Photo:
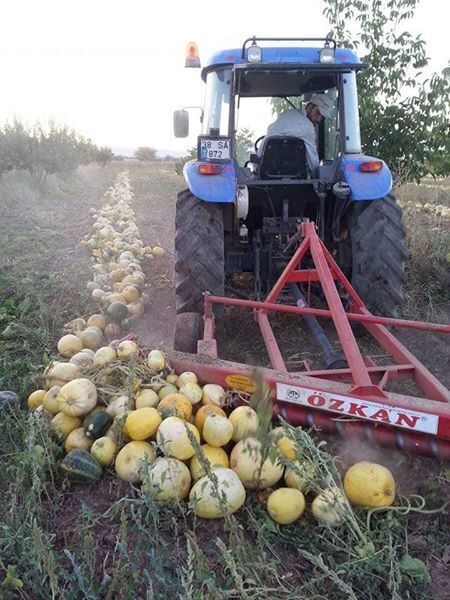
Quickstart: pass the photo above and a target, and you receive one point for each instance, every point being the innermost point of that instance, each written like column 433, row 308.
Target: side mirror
column 181, row 123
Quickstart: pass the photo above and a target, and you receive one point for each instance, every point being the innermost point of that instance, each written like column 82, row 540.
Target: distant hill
column 174, row 153
column 161, row 153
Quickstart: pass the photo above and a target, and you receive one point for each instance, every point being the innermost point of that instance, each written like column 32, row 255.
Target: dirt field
column 105, row 541
column 240, row 339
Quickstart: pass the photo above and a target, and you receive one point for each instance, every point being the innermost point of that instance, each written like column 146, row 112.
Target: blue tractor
column 233, row 219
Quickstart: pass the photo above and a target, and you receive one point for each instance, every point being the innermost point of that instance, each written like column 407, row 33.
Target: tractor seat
column 283, row 157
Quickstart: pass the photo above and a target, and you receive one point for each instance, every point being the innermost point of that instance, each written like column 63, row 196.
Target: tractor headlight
column 254, row 54
column 327, row 55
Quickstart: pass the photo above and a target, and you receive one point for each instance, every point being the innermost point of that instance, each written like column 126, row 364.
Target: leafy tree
column 46, row 150
column 405, row 117
column 145, row 153
column 59, row 150
column 17, row 147
column 104, row 155
column 179, row 164
column 244, row 145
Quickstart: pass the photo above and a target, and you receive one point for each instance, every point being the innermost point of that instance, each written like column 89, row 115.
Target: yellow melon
column 142, row 423
column 147, row 397
column 105, row 355
column 69, row 345
column 286, row 445
column 104, row 450
column 77, row 439
column 156, row 360
column 112, row 331
column 35, row 399
column 192, row 391
column 97, row 320
column 286, row 505
column 60, row 373
column 217, row 430
column 131, row 460
column 92, row 337
column 330, row 507
column 78, row 397
column 214, row 394
column 127, row 350
column 186, row 377
column 203, row 412
column 166, row 390
column 244, row 420
column 130, row 294
column 50, row 401
column 220, row 497
column 119, row 406
column 246, row 461
column 63, row 424
column 175, row 405
column 173, row 438
column 82, row 359
column 302, row 476
column 369, row 484
column 158, row 251
column 215, row 457
column 167, row 479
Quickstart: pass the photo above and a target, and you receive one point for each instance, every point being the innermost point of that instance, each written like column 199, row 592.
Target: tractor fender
column 212, row 188
column 365, row 186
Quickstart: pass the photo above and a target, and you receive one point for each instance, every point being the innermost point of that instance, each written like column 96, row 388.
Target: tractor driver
column 295, row 122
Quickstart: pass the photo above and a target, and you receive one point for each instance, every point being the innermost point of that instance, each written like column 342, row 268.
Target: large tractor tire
column 188, row 330
column 378, row 254
column 199, row 252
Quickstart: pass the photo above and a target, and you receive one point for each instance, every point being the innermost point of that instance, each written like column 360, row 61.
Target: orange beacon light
column 192, row 57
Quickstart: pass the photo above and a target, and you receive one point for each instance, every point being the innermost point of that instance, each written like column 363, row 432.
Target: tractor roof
column 287, row 57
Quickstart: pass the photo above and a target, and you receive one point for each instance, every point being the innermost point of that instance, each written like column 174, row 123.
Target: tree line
column 404, row 110
column 46, row 150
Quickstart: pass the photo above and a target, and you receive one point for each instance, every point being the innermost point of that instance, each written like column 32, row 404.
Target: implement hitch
column 351, row 397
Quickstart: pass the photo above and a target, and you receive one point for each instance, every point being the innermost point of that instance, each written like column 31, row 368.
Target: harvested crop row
column 114, row 405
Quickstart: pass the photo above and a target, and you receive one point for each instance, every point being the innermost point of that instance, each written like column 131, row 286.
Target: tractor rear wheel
column 199, row 252
column 188, row 330
column 378, row 254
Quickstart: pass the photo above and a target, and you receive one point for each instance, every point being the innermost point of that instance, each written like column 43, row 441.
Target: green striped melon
column 9, row 399
column 97, row 424
column 80, row 465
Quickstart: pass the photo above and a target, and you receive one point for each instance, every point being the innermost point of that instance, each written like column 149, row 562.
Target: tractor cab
column 245, row 209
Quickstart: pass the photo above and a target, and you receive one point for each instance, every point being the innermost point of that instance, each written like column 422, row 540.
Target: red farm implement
column 351, row 396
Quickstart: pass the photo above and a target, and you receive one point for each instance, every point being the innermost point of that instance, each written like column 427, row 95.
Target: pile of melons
column 117, row 407
column 182, row 440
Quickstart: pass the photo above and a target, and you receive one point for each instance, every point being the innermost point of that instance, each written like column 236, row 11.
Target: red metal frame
column 344, row 400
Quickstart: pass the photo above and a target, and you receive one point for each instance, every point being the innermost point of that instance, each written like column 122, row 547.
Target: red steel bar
column 343, row 328
column 327, row 314
column 422, row 376
column 239, row 376
column 271, row 344
column 348, row 401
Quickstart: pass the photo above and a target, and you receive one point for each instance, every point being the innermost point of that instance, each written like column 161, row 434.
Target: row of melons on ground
column 118, row 253
column 114, row 406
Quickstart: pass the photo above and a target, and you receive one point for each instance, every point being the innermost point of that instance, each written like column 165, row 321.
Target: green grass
column 428, row 243
column 61, row 542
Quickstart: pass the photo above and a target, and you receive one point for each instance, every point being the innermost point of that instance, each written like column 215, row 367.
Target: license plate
column 215, row 149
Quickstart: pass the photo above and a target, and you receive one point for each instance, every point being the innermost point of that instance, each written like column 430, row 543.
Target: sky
column 114, row 70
